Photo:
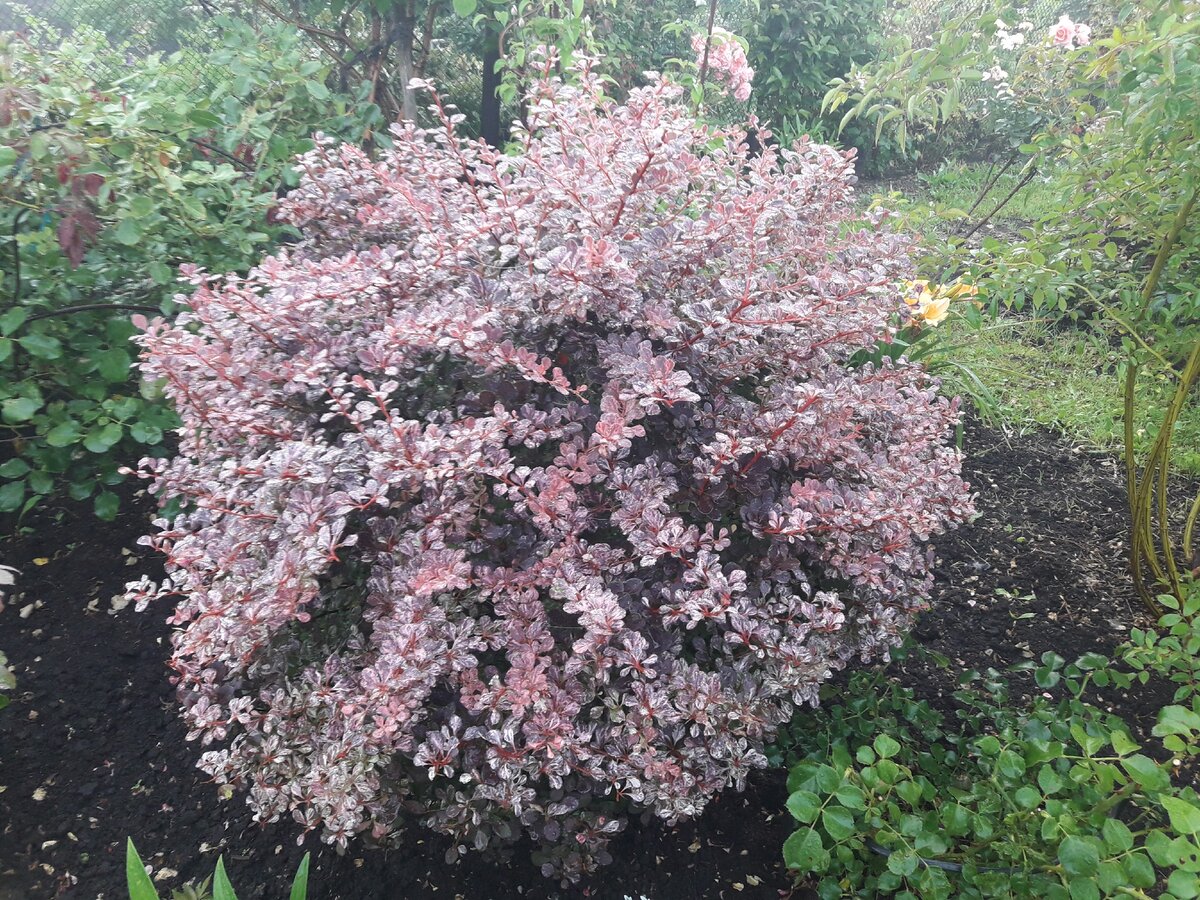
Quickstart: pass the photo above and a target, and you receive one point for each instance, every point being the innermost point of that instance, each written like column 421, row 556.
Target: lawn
column 1020, row 370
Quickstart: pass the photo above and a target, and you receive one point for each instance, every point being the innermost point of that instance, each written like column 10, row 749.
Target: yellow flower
column 961, row 289
column 931, row 303
column 916, row 292
column 934, row 309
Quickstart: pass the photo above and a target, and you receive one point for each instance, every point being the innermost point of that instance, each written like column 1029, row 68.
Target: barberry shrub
column 533, row 487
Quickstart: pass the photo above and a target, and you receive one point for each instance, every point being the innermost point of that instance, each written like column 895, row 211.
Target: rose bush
column 531, row 488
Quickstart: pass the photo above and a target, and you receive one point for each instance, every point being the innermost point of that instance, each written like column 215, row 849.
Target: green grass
column 1067, row 380
column 944, row 198
column 956, row 186
column 1022, row 372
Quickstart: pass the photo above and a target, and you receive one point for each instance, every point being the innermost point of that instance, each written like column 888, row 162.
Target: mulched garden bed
column 91, row 749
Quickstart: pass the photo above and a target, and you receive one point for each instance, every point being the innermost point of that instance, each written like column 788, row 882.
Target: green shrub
column 105, row 188
column 1052, row 798
column 796, row 48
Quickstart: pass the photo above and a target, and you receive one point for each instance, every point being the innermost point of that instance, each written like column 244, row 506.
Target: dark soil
column 91, row 749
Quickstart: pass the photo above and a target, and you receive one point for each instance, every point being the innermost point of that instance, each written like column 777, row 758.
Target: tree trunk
column 405, row 68
column 489, row 106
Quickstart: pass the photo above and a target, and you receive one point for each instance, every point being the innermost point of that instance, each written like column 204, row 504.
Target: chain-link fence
column 189, row 31
column 926, row 17
column 922, row 19
column 137, row 28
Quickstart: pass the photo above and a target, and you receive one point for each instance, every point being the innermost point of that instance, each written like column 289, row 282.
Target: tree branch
column 1025, row 179
column 87, row 307
column 712, row 16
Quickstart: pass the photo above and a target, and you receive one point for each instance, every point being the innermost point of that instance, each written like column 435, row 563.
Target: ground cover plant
column 1048, row 798
column 529, row 488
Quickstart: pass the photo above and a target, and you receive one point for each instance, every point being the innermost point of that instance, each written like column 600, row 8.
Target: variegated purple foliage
column 536, row 487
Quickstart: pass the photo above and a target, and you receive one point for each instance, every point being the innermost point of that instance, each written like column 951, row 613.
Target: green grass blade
column 300, row 885
column 139, row 883
column 222, row 889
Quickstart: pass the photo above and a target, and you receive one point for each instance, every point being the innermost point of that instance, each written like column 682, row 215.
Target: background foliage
column 105, row 188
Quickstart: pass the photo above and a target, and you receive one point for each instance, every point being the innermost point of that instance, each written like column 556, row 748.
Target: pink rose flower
column 1083, row 34
column 1063, row 34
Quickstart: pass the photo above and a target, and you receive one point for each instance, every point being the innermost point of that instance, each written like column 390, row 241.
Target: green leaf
column 956, row 819
column 1046, row 677
column 12, row 320
column 1048, row 780
column 1140, row 870
column 141, row 206
column 805, row 852
column 41, row 482
column 1176, row 720
column 1112, row 877
column 81, row 490
column 113, row 365
column 1078, row 857
column 1084, row 889
column 838, row 822
column 989, row 746
column 20, row 409
column 300, row 885
column 1158, row 845
column 1117, row 836
column 129, row 232
column 1183, row 885
column 317, row 89
column 41, row 345
column 910, row 792
column 1123, row 743
column 64, row 434
column 106, row 505
column 851, row 796
column 12, row 495
column 465, row 8
column 798, row 776
column 1028, row 797
column 204, row 118
column 1146, row 772
column 14, row 468
column 139, row 883
column 221, row 888
column 1185, row 818
column 1011, row 764
column 103, row 439
column 8, row 156
column 804, row 806
column 145, row 434
column 160, row 272
column 904, row 863
column 886, row 746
